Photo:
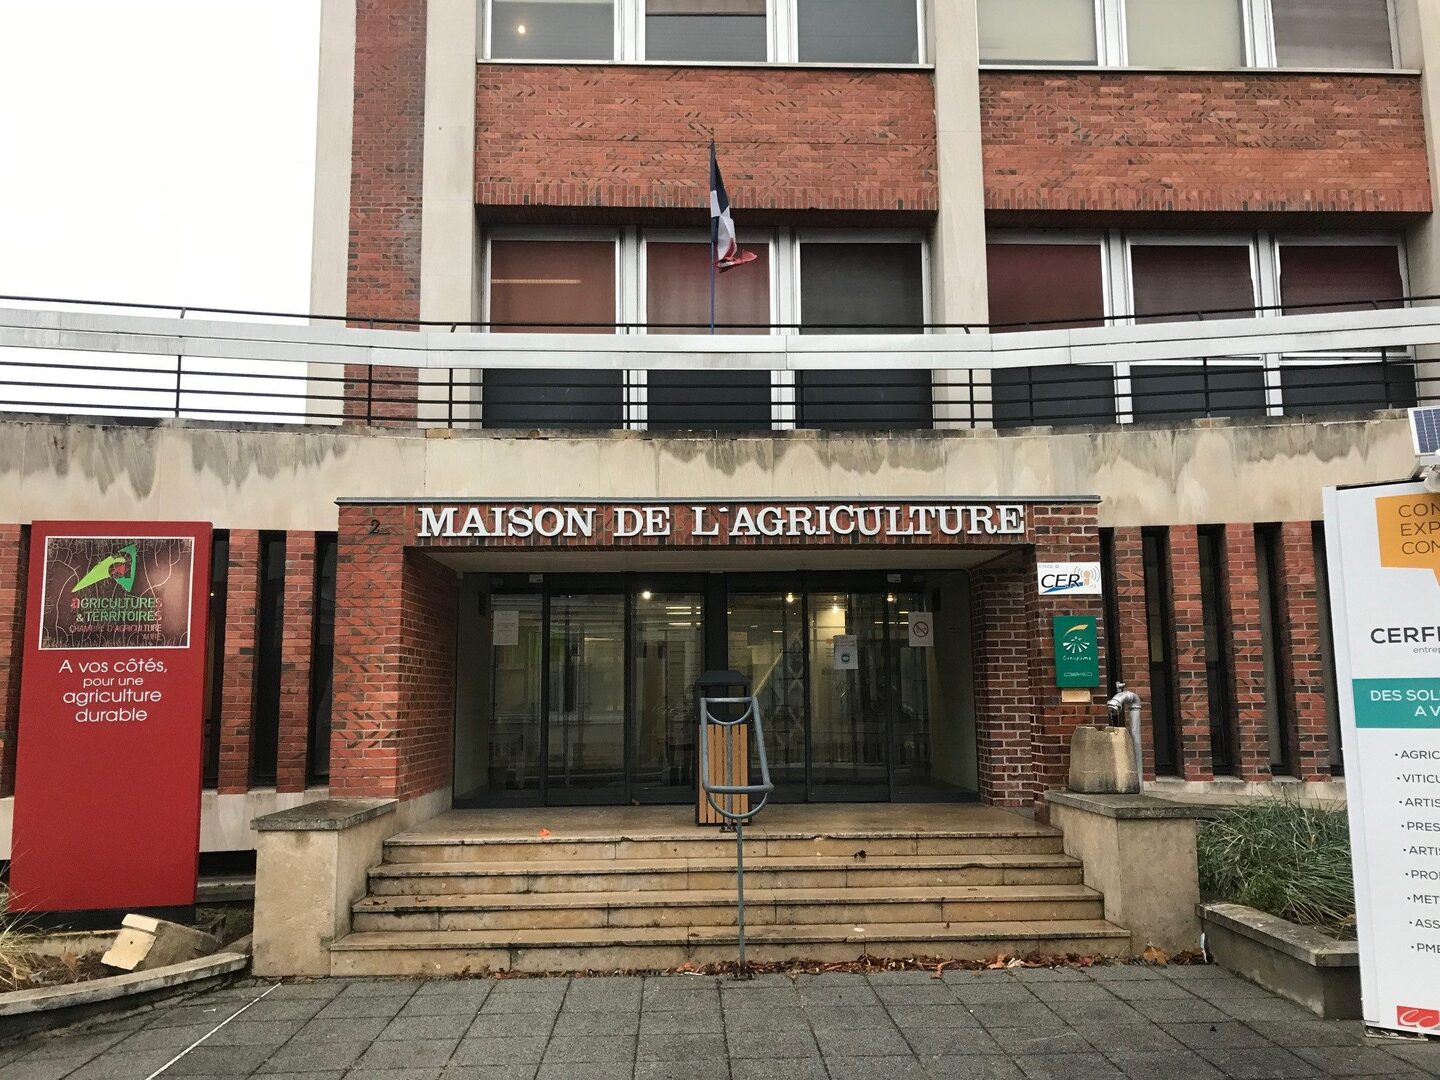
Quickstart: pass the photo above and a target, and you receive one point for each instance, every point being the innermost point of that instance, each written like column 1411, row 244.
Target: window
column 552, row 29
column 322, row 657
column 1318, row 278
column 1194, row 33
column 705, row 30
column 1219, row 681
column 215, row 653
column 1332, row 33
column 858, row 31
column 1049, row 286
column 863, row 288
column 1164, row 723
column 265, row 733
column 1188, row 33
column 552, row 286
column 677, row 301
column 885, row 32
column 1038, row 32
column 1278, row 703
column 1171, row 282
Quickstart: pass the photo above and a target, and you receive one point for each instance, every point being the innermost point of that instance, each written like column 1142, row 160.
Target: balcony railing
column 278, row 368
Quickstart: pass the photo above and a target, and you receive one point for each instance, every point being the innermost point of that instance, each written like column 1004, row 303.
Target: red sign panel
column 107, row 785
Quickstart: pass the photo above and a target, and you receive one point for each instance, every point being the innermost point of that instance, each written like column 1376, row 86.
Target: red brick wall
column 237, row 695
column 13, row 571
column 1240, row 585
column 388, row 158
column 1301, row 665
column 395, row 623
column 1187, row 620
column 638, row 137
column 297, row 635
column 1134, row 141
column 1133, row 632
column 1004, row 706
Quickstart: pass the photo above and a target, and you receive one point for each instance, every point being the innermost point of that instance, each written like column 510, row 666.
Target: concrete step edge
column 1018, row 860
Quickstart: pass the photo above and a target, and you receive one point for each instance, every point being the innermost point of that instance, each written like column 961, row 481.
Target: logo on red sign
column 1427, row 1019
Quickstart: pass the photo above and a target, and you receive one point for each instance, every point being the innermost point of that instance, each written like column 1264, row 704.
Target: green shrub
column 1281, row 857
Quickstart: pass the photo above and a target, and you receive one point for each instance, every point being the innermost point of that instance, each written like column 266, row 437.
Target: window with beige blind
column 1038, row 32
column 1333, row 33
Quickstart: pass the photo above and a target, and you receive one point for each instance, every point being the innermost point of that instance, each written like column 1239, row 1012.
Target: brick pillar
column 394, row 693
column 1240, row 588
column 1132, row 635
column 1004, row 707
column 297, row 633
column 386, row 192
column 14, row 540
column 1187, row 620
column 1302, row 681
column 237, row 694
column 1062, row 534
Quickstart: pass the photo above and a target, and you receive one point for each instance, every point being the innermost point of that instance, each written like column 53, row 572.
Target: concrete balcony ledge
column 1129, row 807
column 1305, row 966
column 328, row 815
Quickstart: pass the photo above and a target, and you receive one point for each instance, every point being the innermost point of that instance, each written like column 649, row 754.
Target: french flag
column 726, row 249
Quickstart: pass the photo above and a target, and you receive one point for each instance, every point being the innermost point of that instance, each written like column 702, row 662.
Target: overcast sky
column 158, row 150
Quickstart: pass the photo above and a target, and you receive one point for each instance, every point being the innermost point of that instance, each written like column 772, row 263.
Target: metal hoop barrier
column 716, row 793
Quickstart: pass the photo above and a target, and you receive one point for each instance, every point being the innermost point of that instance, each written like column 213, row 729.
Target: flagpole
column 714, row 239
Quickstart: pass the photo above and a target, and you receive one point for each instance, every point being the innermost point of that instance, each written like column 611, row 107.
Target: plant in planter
column 1285, row 858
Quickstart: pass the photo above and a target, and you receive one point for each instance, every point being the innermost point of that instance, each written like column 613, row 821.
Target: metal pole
column 740, row 890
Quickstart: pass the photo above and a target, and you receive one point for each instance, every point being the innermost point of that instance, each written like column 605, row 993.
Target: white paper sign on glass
column 1383, row 543
column 505, row 627
column 847, row 652
column 922, row 630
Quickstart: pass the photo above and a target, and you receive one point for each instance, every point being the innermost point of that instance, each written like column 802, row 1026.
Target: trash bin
column 728, row 748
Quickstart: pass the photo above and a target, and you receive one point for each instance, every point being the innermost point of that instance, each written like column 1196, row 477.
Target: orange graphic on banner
column 1410, row 532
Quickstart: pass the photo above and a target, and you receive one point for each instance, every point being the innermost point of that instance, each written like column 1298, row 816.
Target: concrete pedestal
column 1140, row 852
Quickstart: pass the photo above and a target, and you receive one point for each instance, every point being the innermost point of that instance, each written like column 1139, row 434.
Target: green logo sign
column 119, row 568
column 1077, row 651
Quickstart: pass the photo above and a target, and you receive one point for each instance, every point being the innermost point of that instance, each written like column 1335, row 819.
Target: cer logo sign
column 1070, row 579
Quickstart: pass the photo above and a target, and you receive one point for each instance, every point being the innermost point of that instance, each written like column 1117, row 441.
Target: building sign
column 1069, row 579
column 847, row 652
column 1077, row 651
column 711, row 524
column 921, row 626
column 111, row 719
column 1384, row 561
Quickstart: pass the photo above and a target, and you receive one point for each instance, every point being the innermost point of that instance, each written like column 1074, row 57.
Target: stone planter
column 1302, row 965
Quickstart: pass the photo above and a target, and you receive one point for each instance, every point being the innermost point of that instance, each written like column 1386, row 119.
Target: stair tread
column 759, row 862
column 837, row 932
column 1038, row 832
column 708, row 897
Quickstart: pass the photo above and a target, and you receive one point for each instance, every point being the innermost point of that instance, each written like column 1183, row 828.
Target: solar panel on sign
column 1425, row 426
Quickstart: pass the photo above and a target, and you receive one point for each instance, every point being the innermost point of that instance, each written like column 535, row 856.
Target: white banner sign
column 847, row 652
column 1384, row 556
column 922, row 630
column 1069, row 579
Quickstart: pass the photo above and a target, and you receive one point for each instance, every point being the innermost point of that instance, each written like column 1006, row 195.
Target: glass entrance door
column 765, row 634
column 667, row 647
column 585, row 723
column 850, row 702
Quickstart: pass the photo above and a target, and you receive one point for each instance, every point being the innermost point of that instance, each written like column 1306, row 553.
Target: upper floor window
column 552, row 29
column 887, row 32
column 705, row 30
column 1192, row 34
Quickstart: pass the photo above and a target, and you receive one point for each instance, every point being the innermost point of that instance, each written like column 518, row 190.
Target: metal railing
column 142, row 366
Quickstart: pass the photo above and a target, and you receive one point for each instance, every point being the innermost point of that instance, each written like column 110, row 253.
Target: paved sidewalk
column 1112, row 1022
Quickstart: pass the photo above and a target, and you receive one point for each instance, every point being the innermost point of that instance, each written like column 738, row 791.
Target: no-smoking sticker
column 922, row 630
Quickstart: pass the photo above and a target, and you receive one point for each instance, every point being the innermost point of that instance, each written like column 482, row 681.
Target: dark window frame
column 269, row 643
column 322, row 658
column 1165, row 721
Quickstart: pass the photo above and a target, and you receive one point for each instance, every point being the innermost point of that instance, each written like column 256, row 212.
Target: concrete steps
column 460, row 952
column 698, row 907
column 451, row 901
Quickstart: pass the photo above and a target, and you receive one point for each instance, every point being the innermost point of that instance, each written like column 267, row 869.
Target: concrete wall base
column 1302, row 965
column 1139, row 852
